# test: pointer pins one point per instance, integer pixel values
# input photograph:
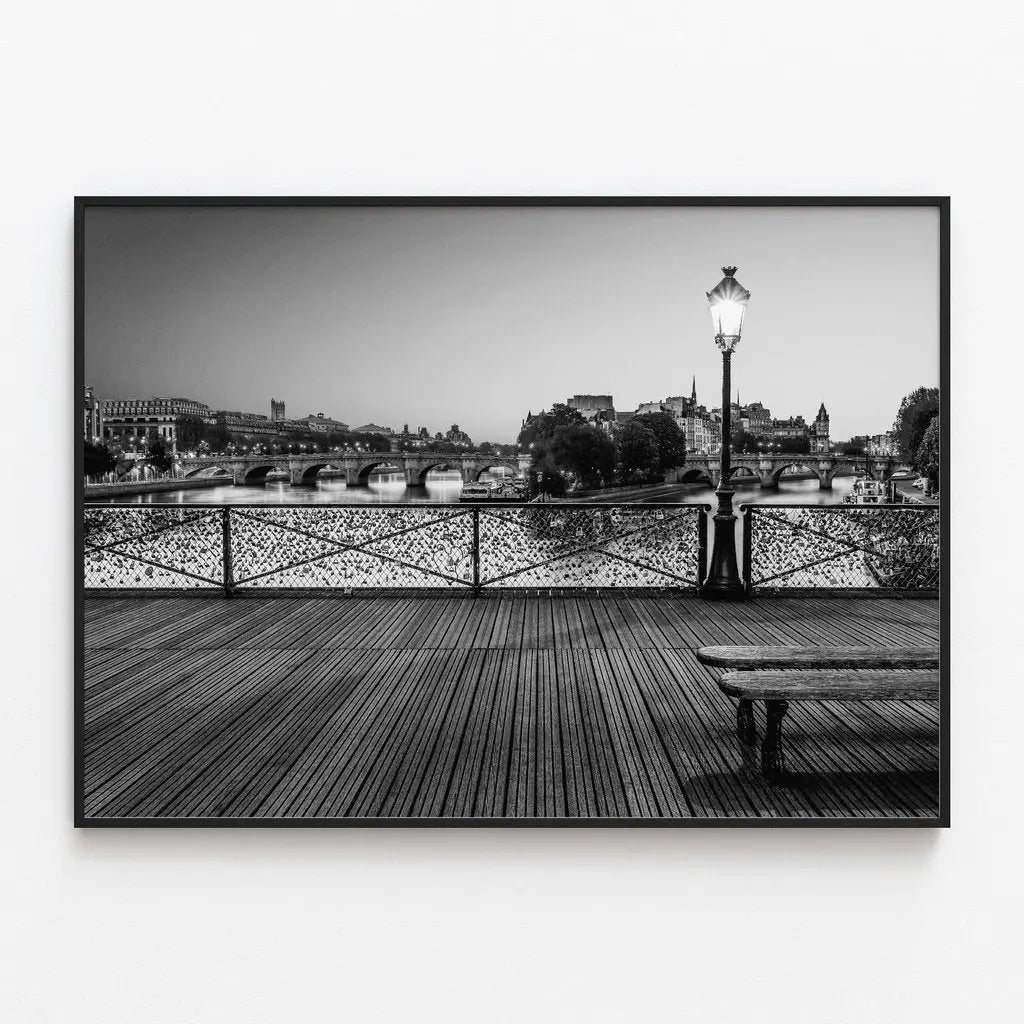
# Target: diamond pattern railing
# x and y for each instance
(592, 546)
(262, 547)
(330, 547)
(153, 547)
(841, 547)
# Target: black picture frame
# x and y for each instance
(939, 203)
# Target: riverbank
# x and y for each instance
(912, 495)
(126, 489)
(616, 494)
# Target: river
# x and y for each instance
(445, 487)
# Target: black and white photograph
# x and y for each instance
(476, 511)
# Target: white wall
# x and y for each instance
(491, 925)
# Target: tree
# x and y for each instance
(190, 431)
(550, 483)
(793, 445)
(158, 456)
(218, 437)
(377, 442)
(580, 452)
(636, 451)
(854, 448)
(929, 453)
(915, 414)
(671, 440)
(744, 443)
(98, 459)
(542, 427)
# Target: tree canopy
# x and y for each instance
(98, 459)
(637, 451)
(852, 447)
(915, 414)
(581, 452)
(158, 456)
(542, 427)
(671, 440)
(792, 445)
(929, 453)
(744, 443)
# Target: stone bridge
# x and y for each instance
(356, 466)
(769, 468)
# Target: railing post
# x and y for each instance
(229, 574)
(748, 513)
(702, 545)
(476, 548)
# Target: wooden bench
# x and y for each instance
(778, 675)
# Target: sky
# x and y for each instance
(435, 316)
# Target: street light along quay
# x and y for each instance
(728, 303)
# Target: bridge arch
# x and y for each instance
(478, 471)
(777, 471)
(362, 474)
(257, 473)
(309, 474)
(696, 476)
(416, 474)
(205, 472)
(742, 471)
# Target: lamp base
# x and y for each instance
(723, 581)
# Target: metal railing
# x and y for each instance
(840, 548)
(266, 548)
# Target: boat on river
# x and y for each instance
(489, 493)
(866, 492)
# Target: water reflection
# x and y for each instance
(390, 488)
(790, 492)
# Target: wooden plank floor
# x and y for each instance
(497, 706)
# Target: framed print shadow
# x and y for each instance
(512, 511)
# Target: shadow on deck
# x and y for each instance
(502, 706)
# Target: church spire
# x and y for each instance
(693, 392)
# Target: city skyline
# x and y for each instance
(475, 316)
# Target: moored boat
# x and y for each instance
(492, 492)
(866, 492)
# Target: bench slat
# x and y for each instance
(922, 684)
(819, 657)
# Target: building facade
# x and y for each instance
(375, 428)
(589, 405)
(882, 444)
(759, 419)
(134, 423)
(247, 426)
(315, 424)
(791, 428)
(92, 416)
(820, 442)
(277, 413)
(695, 422)
(458, 436)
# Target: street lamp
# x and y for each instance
(727, 302)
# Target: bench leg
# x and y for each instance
(746, 727)
(772, 762)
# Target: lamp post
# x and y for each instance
(727, 302)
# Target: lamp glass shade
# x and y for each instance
(727, 302)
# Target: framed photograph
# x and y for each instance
(514, 511)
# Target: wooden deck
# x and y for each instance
(498, 706)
